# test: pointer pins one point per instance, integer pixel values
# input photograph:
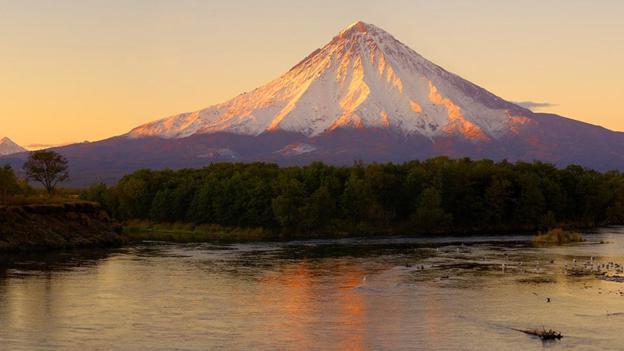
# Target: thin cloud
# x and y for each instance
(532, 105)
(46, 146)
(39, 145)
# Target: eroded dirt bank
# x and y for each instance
(56, 226)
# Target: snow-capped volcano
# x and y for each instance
(8, 147)
(364, 96)
(363, 78)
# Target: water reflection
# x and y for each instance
(43, 264)
(322, 295)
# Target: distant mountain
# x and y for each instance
(8, 147)
(363, 96)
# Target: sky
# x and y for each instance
(76, 70)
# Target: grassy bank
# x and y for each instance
(136, 230)
(181, 232)
(39, 200)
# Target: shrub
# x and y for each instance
(557, 236)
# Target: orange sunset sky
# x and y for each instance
(86, 70)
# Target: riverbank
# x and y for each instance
(189, 233)
(181, 232)
(81, 224)
(55, 226)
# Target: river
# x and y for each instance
(350, 294)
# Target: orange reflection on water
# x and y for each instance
(298, 302)
(352, 307)
(285, 298)
(432, 317)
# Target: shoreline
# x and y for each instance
(181, 233)
(83, 225)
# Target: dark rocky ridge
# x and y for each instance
(56, 226)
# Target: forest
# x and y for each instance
(436, 196)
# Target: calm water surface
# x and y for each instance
(355, 294)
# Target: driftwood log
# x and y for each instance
(543, 334)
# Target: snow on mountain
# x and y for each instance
(296, 149)
(8, 147)
(363, 78)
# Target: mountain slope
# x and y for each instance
(363, 78)
(8, 147)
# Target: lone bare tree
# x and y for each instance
(46, 167)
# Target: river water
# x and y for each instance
(351, 294)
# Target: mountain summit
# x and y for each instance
(8, 147)
(363, 78)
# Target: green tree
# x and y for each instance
(134, 199)
(48, 168)
(429, 215)
(101, 194)
(530, 204)
(286, 206)
(318, 210)
(357, 199)
(161, 208)
(497, 196)
(8, 182)
(201, 209)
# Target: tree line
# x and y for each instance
(439, 195)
